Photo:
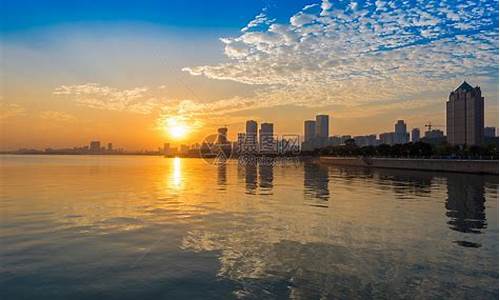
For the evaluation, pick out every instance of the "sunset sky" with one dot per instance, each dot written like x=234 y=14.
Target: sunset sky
x=126 y=71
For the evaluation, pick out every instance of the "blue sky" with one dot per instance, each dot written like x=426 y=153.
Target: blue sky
x=366 y=63
x=22 y=14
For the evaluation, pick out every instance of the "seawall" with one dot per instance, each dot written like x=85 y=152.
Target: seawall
x=445 y=165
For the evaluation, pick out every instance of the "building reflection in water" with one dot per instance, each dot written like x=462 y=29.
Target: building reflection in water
x=250 y=176
x=222 y=174
x=465 y=203
x=266 y=176
x=298 y=251
x=406 y=183
x=316 y=181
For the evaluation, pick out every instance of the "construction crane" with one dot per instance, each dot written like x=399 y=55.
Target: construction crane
x=429 y=126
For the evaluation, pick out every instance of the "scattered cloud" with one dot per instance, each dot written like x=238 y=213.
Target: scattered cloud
x=57 y=116
x=10 y=110
x=352 y=53
x=136 y=100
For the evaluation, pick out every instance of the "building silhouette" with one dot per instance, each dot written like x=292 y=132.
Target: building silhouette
x=95 y=146
x=489 y=132
x=222 y=136
x=250 y=144
x=401 y=136
x=415 y=135
x=322 y=126
x=387 y=138
x=465 y=116
x=309 y=130
x=266 y=138
x=366 y=140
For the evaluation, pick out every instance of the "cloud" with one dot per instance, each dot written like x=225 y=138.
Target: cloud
x=137 y=100
x=350 y=53
x=11 y=110
x=259 y=21
x=57 y=116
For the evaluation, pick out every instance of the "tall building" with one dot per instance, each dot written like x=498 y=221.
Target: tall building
x=110 y=147
x=415 y=135
x=465 y=116
x=222 y=136
x=401 y=136
x=166 y=149
x=250 y=136
x=184 y=149
x=309 y=130
x=95 y=146
x=489 y=132
x=240 y=142
x=266 y=137
x=322 y=126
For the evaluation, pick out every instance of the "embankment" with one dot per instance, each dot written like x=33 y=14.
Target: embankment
x=445 y=165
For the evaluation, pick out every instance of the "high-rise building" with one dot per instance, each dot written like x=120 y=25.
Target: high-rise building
x=401 y=136
x=266 y=138
x=250 y=136
x=110 y=147
x=489 y=132
x=222 y=136
x=95 y=146
x=240 y=142
x=309 y=130
x=465 y=116
x=322 y=126
x=166 y=149
x=415 y=135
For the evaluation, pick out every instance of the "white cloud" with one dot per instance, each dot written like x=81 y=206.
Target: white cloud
x=136 y=100
x=11 y=110
x=57 y=116
x=380 y=49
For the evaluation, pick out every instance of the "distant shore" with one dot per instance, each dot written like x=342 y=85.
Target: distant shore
x=445 y=165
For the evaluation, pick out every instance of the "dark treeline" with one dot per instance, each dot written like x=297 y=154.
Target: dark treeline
x=412 y=150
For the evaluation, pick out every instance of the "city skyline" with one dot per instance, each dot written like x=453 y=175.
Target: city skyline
x=176 y=71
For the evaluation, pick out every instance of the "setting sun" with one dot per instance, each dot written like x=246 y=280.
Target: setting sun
x=176 y=129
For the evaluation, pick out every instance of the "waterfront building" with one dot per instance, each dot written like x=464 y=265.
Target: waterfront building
x=434 y=134
x=250 y=145
x=322 y=126
x=289 y=144
x=266 y=138
x=222 y=136
x=365 y=140
x=334 y=140
x=415 y=135
x=387 y=138
x=166 y=149
x=465 y=116
x=95 y=146
x=240 y=142
x=309 y=130
x=401 y=136
x=489 y=132
x=184 y=149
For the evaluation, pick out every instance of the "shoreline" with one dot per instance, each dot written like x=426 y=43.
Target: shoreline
x=439 y=165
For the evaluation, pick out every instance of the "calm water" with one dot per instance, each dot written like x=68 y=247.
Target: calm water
x=96 y=227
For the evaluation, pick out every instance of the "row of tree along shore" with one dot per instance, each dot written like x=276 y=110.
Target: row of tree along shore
x=411 y=150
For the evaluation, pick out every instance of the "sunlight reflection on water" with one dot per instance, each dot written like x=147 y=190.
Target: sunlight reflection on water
x=154 y=227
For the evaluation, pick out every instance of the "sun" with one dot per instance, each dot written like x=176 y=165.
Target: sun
x=176 y=129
